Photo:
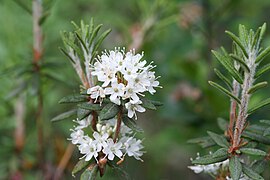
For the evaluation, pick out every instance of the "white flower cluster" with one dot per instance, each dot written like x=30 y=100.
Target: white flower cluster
x=123 y=76
x=210 y=168
x=101 y=141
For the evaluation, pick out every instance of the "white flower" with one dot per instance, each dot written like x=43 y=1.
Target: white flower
x=89 y=149
x=100 y=140
x=113 y=149
x=133 y=147
x=132 y=107
x=96 y=92
x=83 y=123
x=116 y=91
x=76 y=136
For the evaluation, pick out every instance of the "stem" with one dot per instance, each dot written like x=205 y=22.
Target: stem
x=37 y=49
x=233 y=109
x=245 y=97
x=118 y=124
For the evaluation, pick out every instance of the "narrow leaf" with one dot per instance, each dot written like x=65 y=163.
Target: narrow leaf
x=256 y=137
x=148 y=104
x=259 y=166
x=240 y=61
x=235 y=168
x=263 y=29
x=259 y=105
x=73 y=98
x=210 y=159
x=221 y=152
x=94 y=34
x=262 y=55
x=109 y=111
x=101 y=38
x=225 y=91
x=223 y=78
x=89 y=106
x=66 y=54
x=266 y=132
x=64 y=115
x=82 y=113
x=156 y=103
x=257 y=87
x=79 y=166
x=265 y=121
x=82 y=42
x=237 y=41
x=204 y=142
x=250 y=173
x=252 y=151
x=132 y=124
x=263 y=70
x=228 y=65
x=222 y=124
x=220 y=140
x=90 y=173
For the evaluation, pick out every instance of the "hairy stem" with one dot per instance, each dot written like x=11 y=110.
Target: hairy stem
x=233 y=109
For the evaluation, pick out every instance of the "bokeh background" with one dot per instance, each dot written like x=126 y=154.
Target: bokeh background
x=176 y=34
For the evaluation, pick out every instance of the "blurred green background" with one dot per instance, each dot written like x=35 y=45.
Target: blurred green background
x=176 y=34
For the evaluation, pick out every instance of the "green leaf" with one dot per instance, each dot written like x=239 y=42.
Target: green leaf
x=259 y=166
x=109 y=111
x=223 y=78
x=256 y=137
x=265 y=121
x=94 y=34
x=66 y=54
x=266 y=132
x=132 y=124
x=263 y=29
x=101 y=38
x=250 y=173
x=222 y=124
x=228 y=65
x=90 y=173
x=225 y=91
x=252 y=151
x=82 y=42
x=73 y=98
x=220 y=140
x=64 y=115
x=43 y=18
x=79 y=166
x=210 y=159
x=262 y=55
x=221 y=152
x=90 y=106
x=235 y=168
x=148 y=104
x=83 y=113
x=156 y=103
x=257 y=87
x=204 y=142
x=237 y=41
x=240 y=61
x=259 y=105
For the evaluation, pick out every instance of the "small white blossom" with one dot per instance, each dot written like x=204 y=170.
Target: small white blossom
x=76 y=136
x=113 y=149
x=100 y=140
x=133 y=147
x=132 y=107
x=96 y=92
x=89 y=149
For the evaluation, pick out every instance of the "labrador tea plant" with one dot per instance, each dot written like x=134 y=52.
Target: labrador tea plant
x=242 y=151
x=112 y=92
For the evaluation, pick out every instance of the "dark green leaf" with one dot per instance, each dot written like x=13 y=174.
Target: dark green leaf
x=219 y=139
x=257 y=87
x=148 y=104
x=225 y=91
x=90 y=173
x=259 y=166
x=94 y=34
x=237 y=41
x=73 y=98
x=223 y=78
x=132 y=124
x=89 y=106
x=252 y=151
x=204 y=142
x=79 y=166
x=82 y=113
x=82 y=42
x=222 y=124
x=262 y=55
x=221 y=152
x=256 y=137
x=43 y=18
x=109 y=111
x=265 y=121
x=156 y=103
x=210 y=159
x=259 y=105
x=266 y=132
x=235 y=168
x=65 y=115
x=100 y=39
x=250 y=173
x=65 y=53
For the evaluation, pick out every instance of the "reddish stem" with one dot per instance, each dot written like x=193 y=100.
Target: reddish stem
x=118 y=124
